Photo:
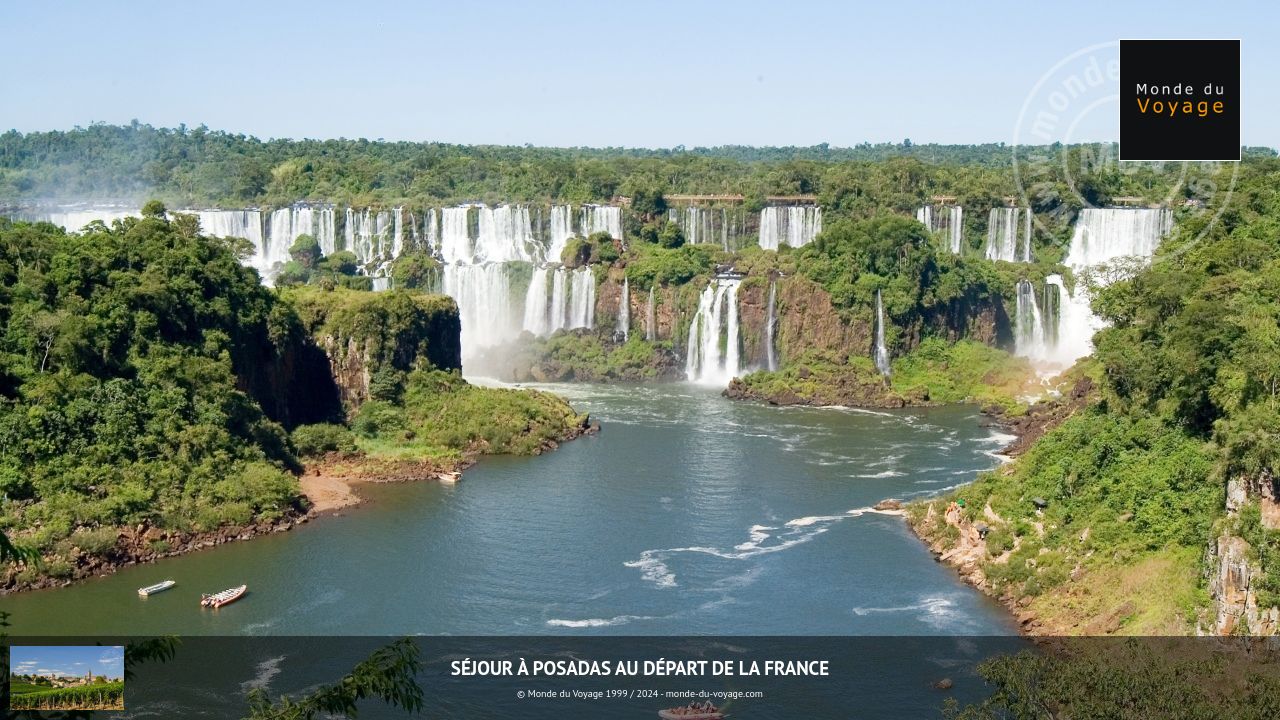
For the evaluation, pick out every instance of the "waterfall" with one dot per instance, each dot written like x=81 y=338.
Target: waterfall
x=431 y=231
x=1101 y=236
x=881 y=352
x=1026 y=236
x=601 y=218
x=505 y=235
x=376 y=238
x=455 y=235
x=624 y=311
x=287 y=224
x=537 y=319
x=708 y=225
x=770 y=328
x=1105 y=234
x=948 y=220
x=483 y=294
x=1029 y=327
x=1002 y=234
x=75 y=220
x=712 y=354
x=246 y=225
x=795 y=225
x=560 y=299
x=560 y=231
x=650 y=317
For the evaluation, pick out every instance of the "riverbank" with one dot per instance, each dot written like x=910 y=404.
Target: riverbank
x=1058 y=571
x=329 y=483
x=325 y=485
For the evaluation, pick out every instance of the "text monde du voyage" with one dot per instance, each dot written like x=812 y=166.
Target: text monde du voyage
x=1180 y=99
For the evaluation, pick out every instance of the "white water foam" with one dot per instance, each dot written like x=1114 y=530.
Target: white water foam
x=597 y=622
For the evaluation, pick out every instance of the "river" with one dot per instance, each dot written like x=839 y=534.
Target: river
x=687 y=514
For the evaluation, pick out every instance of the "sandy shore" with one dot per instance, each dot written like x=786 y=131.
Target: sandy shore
x=328 y=492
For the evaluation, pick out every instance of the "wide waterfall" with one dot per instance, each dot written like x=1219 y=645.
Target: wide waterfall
x=287 y=224
x=600 y=218
x=795 y=225
x=1009 y=234
x=947 y=220
x=881 y=354
x=770 y=328
x=559 y=299
x=721 y=226
x=506 y=235
x=74 y=219
x=1105 y=234
x=1101 y=236
x=623 y=329
x=1028 y=323
x=650 y=318
x=713 y=354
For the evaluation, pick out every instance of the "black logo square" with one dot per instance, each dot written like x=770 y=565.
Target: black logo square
x=1179 y=99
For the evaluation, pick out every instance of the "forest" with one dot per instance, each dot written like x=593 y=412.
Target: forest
x=149 y=379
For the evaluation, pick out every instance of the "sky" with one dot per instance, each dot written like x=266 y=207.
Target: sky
x=67 y=660
x=636 y=74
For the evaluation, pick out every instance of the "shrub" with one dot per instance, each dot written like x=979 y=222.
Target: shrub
x=321 y=438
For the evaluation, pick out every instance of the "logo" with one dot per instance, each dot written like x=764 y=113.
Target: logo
x=1180 y=100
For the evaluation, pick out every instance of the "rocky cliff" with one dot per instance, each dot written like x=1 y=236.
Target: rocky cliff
x=365 y=334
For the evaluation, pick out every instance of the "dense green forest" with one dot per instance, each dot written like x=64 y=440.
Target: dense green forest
x=200 y=167
x=147 y=377
x=1185 y=400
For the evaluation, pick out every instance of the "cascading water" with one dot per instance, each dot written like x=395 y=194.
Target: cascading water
x=1101 y=236
x=1002 y=235
x=560 y=299
x=795 y=225
x=709 y=225
x=650 y=318
x=881 y=352
x=287 y=224
x=601 y=218
x=770 y=328
x=483 y=294
x=1029 y=328
x=74 y=220
x=623 y=329
x=713 y=350
x=559 y=232
x=947 y=220
x=1105 y=234
x=376 y=238
x=506 y=235
x=455 y=235
x=431 y=231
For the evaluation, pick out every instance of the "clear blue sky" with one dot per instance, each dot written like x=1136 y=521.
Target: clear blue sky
x=70 y=660
x=647 y=73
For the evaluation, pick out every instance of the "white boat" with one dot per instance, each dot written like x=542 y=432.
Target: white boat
x=692 y=712
x=158 y=587
x=217 y=600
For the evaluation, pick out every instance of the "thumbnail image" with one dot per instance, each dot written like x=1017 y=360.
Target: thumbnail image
x=66 y=677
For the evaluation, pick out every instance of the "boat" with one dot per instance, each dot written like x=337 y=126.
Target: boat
x=157 y=588
x=219 y=599
x=703 y=711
